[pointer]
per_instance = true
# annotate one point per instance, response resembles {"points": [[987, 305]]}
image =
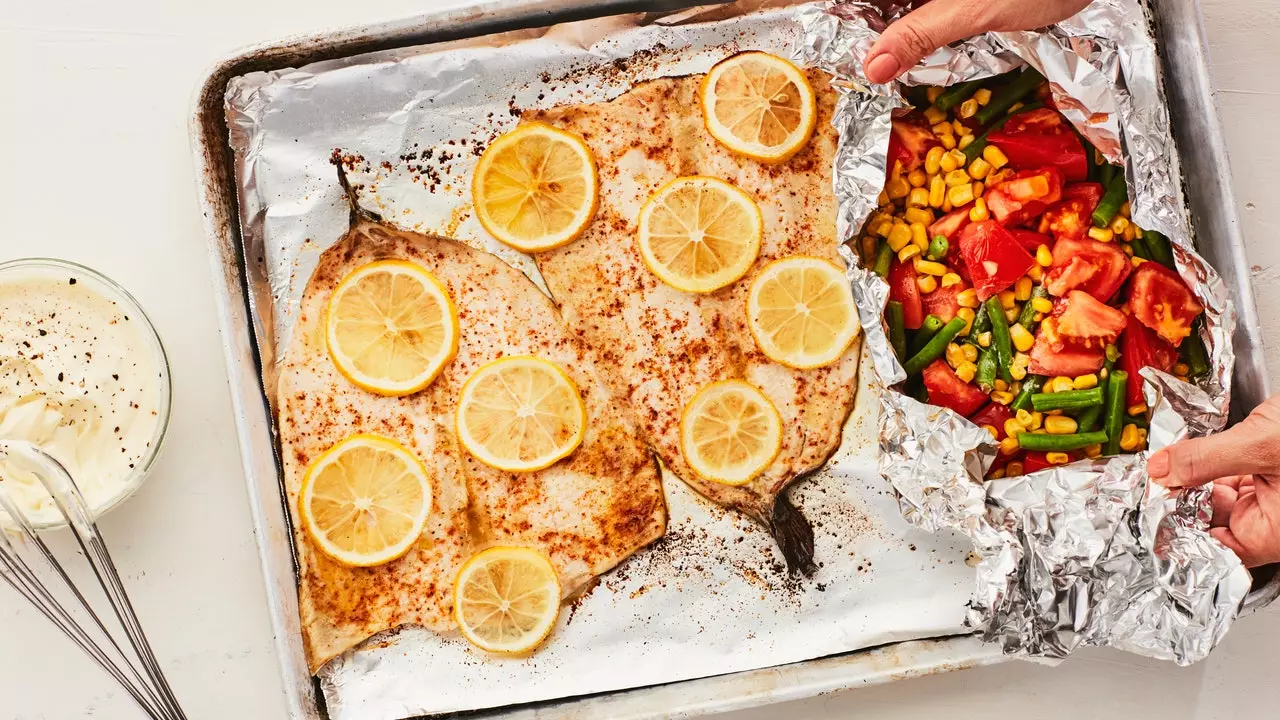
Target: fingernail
{"points": [[883, 68], [1158, 465]]}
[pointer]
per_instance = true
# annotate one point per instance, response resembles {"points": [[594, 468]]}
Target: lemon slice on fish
{"points": [[759, 105], [365, 501], [391, 327], [507, 599], [730, 432], [699, 234], [801, 312], [520, 414], [536, 188]]}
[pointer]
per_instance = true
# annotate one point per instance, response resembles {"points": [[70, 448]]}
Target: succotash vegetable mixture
{"points": [[1022, 295]]}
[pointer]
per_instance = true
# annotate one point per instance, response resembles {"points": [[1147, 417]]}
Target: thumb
{"points": [[1195, 461], [905, 42]]}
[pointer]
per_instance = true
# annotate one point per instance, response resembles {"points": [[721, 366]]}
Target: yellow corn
{"points": [[927, 283], [1060, 425], [948, 163], [1125, 210], [964, 142], [948, 141], [920, 236], [919, 197], [1139, 409], [995, 434], [983, 96], [1009, 445], [934, 115], [1130, 233], [933, 160], [954, 355], [1024, 418], [959, 127], [1102, 374], [967, 298], [897, 188], [1011, 314], [960, 195], [977, 189], [958, 158], [1042, 304], [907, 252], [884, 226], [1084, 382], [993, 155], [1057, 458], [1129, 438], [1001, 385], [1016, 107], [1007, 300], [966, 371], [979, 169], [985, 339], [899, 236], [942, 128], [1019, 364], [933, 92], [1093, 451], [1044, 256], [946, 204], [1022, 339], [1012, 427], [969, 108], [924, 216], [1181, 370], [917, 178], [1136, 261], [951, 279], [966, 314], [1128, 250], [1036, 273], [929, 267], [1060, 384], [970, 352], [1013, 469], [996, 474], [1022, 289], [870, 244], [1101, 234], [937, 191], [956, 178], [1119, 224], [1037, 420], [979, 211], [883, 198]]}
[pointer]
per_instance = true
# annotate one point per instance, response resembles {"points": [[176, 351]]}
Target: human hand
{"points": [[1244, 465], [941, 22]]}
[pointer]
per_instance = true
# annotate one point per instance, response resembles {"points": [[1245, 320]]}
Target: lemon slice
{"points": [[801, 312], [520, 414], [536, 188], [699, 234], [391, 327], [507, 599], [730, 432], [365, 500], [759, 105]]}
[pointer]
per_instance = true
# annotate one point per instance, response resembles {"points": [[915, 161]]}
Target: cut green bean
{"points": [[1116, 196], [956, 94], [1159, 247], [981, 322], [1031, 385], [894, 317], [974, 149], [935, 347], [1028, 317], [1193, 351], [918, 96], [1106, 174], [1000, 339], [1069, 400], [1140, 248], [1009, 95], [1044, 442], [986, 376], [938, 248], [1114, 418], [930, 327], [884, 259], [1088, 419]]}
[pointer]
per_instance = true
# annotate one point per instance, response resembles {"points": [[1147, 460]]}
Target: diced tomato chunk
{"points": [[1164, 303], [904, 288], [950, 225], [1079, 319], [1140, 347], [909, 142], [1070, 360], [1030, 239], [993, 257], [1035, 462], [948, 390], [1025, 196], [1097, 268], [942, 302], [1071, 218], [994, 414], [1043, 140]]}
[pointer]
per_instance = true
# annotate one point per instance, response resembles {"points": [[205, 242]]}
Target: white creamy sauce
{"points": [[79, 378]]}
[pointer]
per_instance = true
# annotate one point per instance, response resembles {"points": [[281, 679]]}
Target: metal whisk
{"points": [[136, 671]]}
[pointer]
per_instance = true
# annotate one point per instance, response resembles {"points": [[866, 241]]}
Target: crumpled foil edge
{"points": [[1089, 553]]}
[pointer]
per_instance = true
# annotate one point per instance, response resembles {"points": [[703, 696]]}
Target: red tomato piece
{"points": [[1025, 196], [1072, 218], [1079, 319], [1030, 239], [1097, 268], [942, 302], [994, 414], [1029, 150], [909, 142], [904, 289], [948, 390], [1140, 347], [1041, 121], [950, 225], [1070, 360], [1035, 462], [993, 257], [1162, 302]]}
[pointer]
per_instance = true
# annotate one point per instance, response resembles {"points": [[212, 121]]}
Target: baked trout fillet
{"points": [[656, 346]]}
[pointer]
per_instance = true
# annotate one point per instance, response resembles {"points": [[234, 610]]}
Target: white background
{"points": [[94, 98]]}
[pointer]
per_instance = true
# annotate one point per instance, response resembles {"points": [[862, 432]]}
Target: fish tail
{"points": [[357, 212], [794, 535]]}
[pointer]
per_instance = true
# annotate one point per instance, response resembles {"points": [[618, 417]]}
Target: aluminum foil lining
{"points": [[1089, 553]]}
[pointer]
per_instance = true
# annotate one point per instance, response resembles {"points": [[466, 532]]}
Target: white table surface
{"points": [[98, 169]]}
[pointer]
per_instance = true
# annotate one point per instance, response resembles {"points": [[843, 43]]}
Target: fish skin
{"points": [[588, 512], [657, 346]]}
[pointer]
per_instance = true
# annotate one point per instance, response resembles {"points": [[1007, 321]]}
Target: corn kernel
{"points": [[946, 204], [927, 284], [979, 211], [948, 141], [929, 267], [1036, 273], [1037, 420], [1130, 234], [933, 160], [956, 178], [967, 315], [920, 234], [924, 216], [970, 352], [1007, 300], [1012, 427], [1022, 339], [908, 252], [979, 169], [1022, 289], [1060, 425], [937, 191], [1129, 438], [899, 236], [1061, 384], [951, 279], [1136, 261], [1057, 458], [960, 195], [884, 226], [964, 142], [883, 198], [1044, 256], [933, 92], [919, 197], [966, 371], [996, 474], [983, 96], [1018, 365], [1085, 382], [934, 115], [958, 158], [1013, 469], [995, 434], [948, 163], [984, 339], [1119, 224], [978, 188], [1125, 209], [1012, 314], [1024, 417], [1001, 385], [897, 188], [998, 176], [993, 155], [967, 298], [1042, 304], [1139, 409], [1014, 387], [954, 355], [940, 129], [1181, 369], [1128, 250], [1016, 107], [917, 178], [1101, 234], [1093, 451], [968, 108], [1102, 374], [1009, 445]]}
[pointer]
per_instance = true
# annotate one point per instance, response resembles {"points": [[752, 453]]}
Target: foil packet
{"points": [[1089, 553]]}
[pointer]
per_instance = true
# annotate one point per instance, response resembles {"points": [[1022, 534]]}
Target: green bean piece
{"points": [[986, 376], [894, 316], [1193, 351], [1031, 385], [930, 327], [1106, 174], [1114, 418], [974, 149], [935, 347], [1088, 419], [1159, 247], [1044, 442], [1069, 400], [1116, 196], [884, 259], [1028, 317], [918, 96], [956, 94], [1140, 248], [1009, 95], [1000, 339], [981, 322], [938, 248]]}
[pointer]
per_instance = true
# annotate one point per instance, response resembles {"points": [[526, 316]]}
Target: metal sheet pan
{"points": [[1213, 208]]}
